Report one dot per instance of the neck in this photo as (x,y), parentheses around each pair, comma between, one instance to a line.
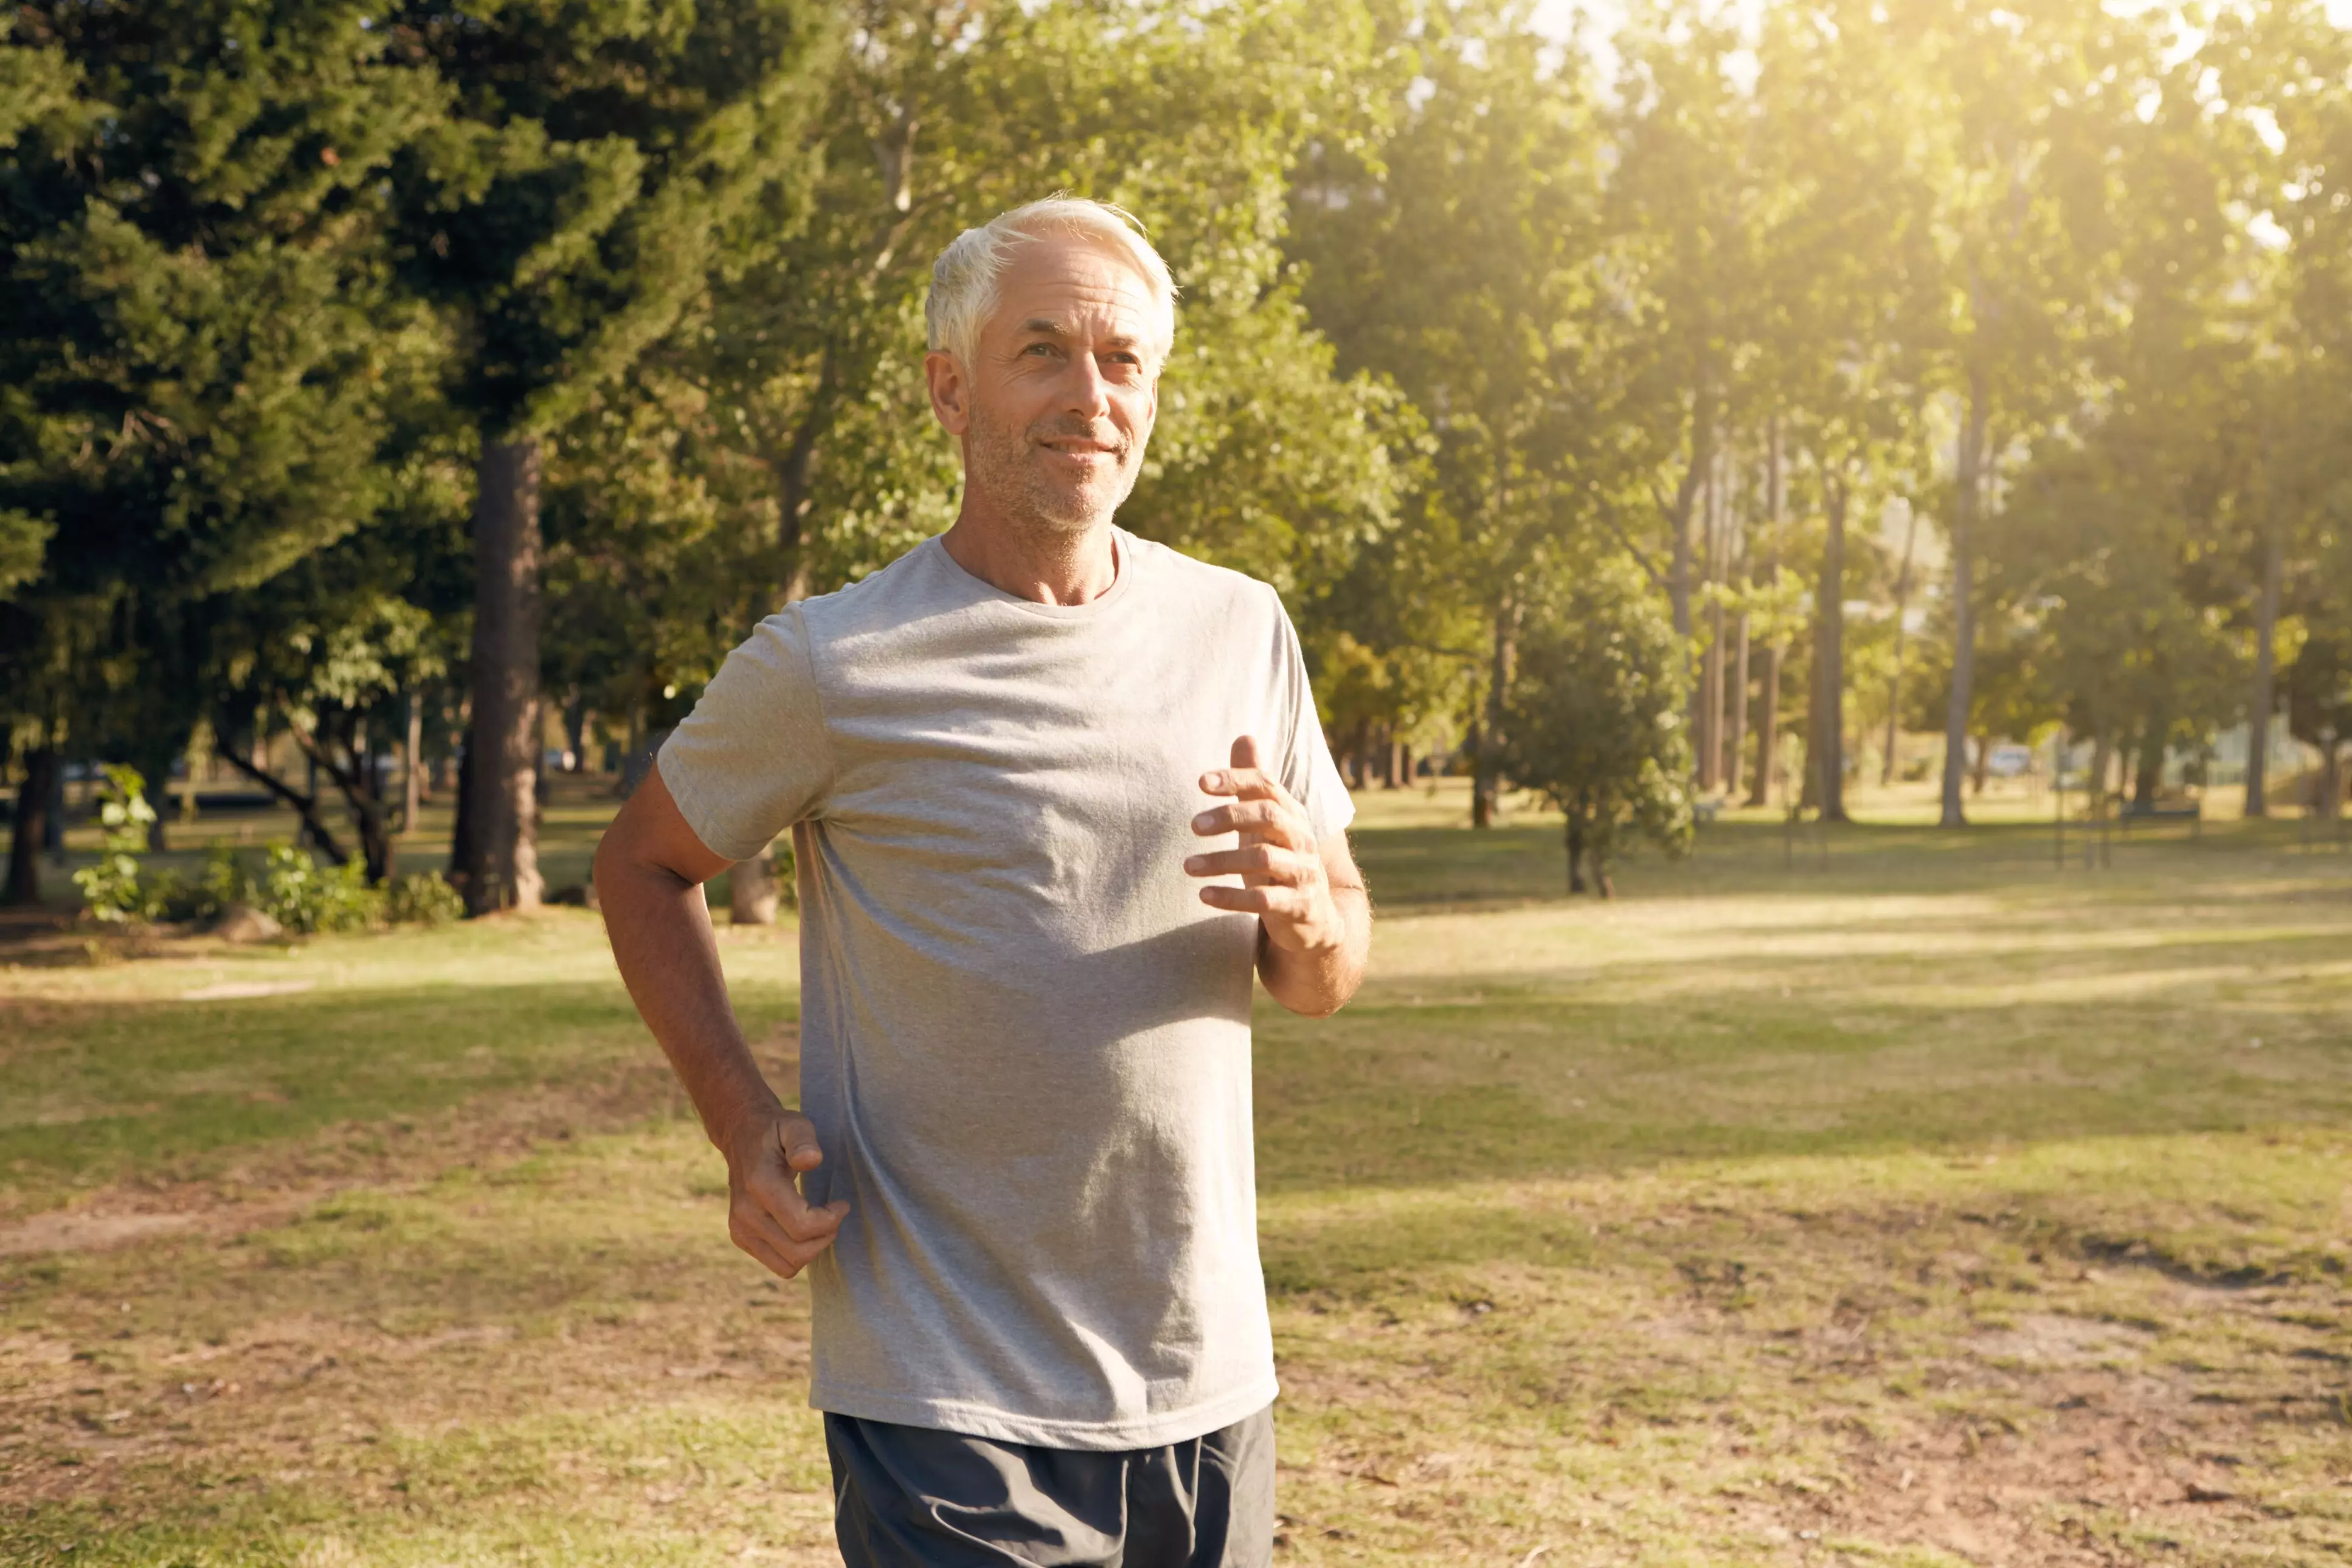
(1042,565)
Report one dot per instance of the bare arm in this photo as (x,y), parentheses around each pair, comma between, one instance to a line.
(649,872)
(1315,930)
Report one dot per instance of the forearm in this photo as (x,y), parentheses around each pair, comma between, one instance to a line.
(1319,981)
(669,957)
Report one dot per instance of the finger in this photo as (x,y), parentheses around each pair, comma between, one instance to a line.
(797,1137)
(785,1229)
(1280,903)
(1258,862)
(1249,784)
(774,1249)
(792,1209)
(766,1256)
(1245,754)
(805,1221)
(759,1236)
(1272,821)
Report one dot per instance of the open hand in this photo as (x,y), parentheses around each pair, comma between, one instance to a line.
(766,1215)
(1281,868)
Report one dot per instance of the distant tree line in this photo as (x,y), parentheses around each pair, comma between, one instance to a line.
(397,378)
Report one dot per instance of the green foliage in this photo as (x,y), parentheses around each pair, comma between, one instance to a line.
(423,898)
(1594,720)
(2070,279)
(111,887)
(308,898)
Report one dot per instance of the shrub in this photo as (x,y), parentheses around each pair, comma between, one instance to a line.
(227,882)
(111,887)
(423,898)
(307,898)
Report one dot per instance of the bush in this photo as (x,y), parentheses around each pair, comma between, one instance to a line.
(226,883)
(423,898)
(307,898)
(111,887)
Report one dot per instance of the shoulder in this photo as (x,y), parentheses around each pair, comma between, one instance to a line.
(1183,580)
(878,602)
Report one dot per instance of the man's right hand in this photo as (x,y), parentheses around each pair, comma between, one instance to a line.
(766,1215)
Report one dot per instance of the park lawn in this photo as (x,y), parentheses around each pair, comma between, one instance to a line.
(1894,1198)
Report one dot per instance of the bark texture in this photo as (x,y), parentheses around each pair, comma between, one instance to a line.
(1768,726)
(1964,616)
(1825,753)
(752,895)
(501,865)
(2264,700)
(35,795)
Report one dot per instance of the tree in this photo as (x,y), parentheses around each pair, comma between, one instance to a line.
(1683,211)
(201,353)
(1851,271)
(1594,719)
(2028,102)
(594,165)
(1452,256)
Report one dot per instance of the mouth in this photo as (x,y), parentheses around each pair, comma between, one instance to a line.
(1080,449)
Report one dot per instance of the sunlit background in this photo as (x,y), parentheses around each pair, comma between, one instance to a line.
(1820,530)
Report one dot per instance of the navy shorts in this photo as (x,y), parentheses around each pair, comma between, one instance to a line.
(912,1496)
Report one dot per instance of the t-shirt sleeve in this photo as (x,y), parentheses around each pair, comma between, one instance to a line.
(753,758)
(1307,770)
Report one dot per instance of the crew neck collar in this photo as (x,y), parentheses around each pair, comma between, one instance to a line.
(1123,557)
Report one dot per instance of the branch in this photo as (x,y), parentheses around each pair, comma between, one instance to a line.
(305,806)
(1609,520)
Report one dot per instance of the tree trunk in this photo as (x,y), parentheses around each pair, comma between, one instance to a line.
(575,734)
(2265,693)
(36,799)
(412,777)
(1735,709)
(751,890)
(2331,777)
(794,468)
(1894,680)
(501,868)
(1827,719)
(2102,756)
(1965,515)
(1678,567)
(1486,790)
(2149,777)
(1575,832)
(1392,759)
(1710,761)
(1767,729)
(461,827)
(1707,728)
(1982,769)
(1482,810)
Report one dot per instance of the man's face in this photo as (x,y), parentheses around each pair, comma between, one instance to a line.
(1055,412)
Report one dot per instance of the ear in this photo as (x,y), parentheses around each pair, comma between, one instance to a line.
(950,395)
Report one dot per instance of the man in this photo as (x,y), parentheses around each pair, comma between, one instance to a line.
(1054,791)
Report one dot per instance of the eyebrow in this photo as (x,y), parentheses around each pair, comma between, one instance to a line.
(1045,327)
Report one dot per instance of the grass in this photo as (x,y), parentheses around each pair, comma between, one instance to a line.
(1899,1199)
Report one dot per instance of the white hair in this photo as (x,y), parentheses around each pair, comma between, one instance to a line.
(964,278)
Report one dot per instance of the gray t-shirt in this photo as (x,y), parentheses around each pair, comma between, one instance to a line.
(1024,1039)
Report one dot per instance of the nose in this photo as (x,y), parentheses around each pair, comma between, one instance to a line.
(1086,392)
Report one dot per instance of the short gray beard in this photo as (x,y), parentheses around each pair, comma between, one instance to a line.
(1000,469)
